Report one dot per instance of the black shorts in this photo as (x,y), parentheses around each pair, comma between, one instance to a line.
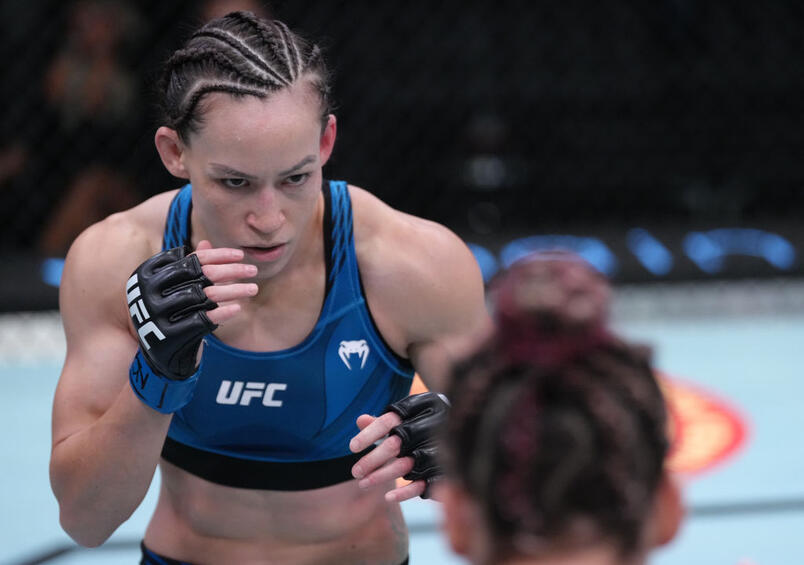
(151,558)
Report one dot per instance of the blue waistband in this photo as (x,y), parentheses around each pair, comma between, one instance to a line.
(151,558)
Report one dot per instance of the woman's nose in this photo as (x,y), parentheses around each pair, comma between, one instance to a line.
(265,214)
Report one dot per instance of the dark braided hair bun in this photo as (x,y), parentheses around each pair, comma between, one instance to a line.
(557,427)
(549,304)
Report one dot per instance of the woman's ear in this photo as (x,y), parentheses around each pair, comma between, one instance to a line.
(668,512)
(328,139)
(171,149)
(461,521)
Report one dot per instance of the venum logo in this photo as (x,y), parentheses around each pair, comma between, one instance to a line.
(240,392)
(348,348)
(140,314)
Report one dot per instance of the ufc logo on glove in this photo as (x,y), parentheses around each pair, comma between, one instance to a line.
(139,313)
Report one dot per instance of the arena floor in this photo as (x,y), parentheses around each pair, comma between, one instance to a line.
(730,356)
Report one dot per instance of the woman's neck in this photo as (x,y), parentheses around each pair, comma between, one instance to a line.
(596,555)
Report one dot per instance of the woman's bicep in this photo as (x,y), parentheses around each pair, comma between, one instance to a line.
(99,345)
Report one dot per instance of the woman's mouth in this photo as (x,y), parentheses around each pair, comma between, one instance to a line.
(265,254)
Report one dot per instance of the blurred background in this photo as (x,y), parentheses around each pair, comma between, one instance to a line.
(661,140)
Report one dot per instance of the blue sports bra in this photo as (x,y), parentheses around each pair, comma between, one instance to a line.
(282,420)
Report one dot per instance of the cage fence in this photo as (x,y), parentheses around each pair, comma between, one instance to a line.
(497,119)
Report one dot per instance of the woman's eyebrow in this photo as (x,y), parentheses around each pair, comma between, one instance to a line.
(303,162)
(228,171)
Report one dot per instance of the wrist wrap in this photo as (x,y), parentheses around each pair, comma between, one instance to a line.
(160,393)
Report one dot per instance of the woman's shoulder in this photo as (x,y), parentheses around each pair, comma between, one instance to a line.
(102,258)
(148,216)
(124,238)
(401,255)
(379,228)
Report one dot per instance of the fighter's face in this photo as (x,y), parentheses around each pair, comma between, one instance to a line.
(255,166)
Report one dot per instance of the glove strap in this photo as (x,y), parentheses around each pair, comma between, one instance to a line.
(160,393)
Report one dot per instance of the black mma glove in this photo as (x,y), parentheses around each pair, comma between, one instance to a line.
(421,415)
(168,307)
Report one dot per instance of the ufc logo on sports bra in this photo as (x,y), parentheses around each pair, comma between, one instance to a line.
(239,392)
(139,314)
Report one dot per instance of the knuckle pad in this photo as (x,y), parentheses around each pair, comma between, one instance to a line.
(421,415)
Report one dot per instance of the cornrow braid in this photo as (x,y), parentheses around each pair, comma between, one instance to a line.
(291,50)
(249,56)
(203,88)
(567,443)
(271,35)
(236,69)
(238,54)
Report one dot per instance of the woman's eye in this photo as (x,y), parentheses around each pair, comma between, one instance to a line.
(295,180)
(234,183)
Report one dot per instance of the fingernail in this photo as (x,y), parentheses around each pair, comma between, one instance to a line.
(357,472)
(364,483)
(253,290)
(251,269)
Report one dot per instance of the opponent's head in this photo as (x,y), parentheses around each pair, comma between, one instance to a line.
(247,111)
(556,439)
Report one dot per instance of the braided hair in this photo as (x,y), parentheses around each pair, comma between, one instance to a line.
(239,54)
(557,427)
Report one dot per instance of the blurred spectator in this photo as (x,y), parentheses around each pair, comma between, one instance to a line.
(94,107)
(96,192)
(12,161)
(485,174)
(87,84)
(95,103)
